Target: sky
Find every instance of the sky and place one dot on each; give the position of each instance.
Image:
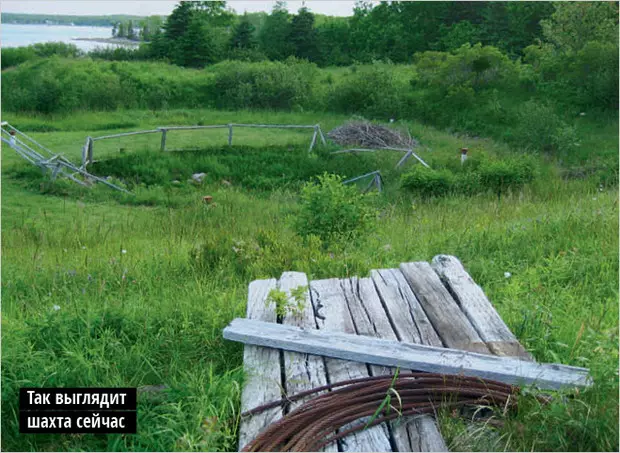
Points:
(163, 7)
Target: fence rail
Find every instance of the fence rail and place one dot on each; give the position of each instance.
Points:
(88, 150)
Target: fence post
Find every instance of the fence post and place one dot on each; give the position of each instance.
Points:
(321, 134)
(313, 140)
(230, 134)
(163, 139)
(91, 144)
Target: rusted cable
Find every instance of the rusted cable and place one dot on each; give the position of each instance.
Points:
(349, 406)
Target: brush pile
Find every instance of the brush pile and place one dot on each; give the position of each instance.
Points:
(361, 403)
(366, 134)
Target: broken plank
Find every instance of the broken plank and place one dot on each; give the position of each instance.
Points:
(370, 319)
(333, 318)
(261, 366)
(477, 307)
(447, 318)
(334, 343)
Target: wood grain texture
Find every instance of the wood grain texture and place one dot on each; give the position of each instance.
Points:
(477, 307)
(333, 318)
(370, 319)
(447, 318)
(406, 315)
(262, 367)
(358, 348)
(301, 371)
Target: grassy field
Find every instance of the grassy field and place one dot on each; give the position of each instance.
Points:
(101, 289)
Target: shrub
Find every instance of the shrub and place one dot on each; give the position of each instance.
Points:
(14, 56)
(372, 91)
(272, 85)
(428, 182)
(331, 210)
(500, 175)
(539, 128)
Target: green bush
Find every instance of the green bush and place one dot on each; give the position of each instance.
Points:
(539, 128)
(13, 56)
(501, 175)
(64, 85)
(373, 91)
(428, 182)
(271, 85)
(476, 176)
(331, 210)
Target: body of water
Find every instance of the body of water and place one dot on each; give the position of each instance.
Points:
(16, 35)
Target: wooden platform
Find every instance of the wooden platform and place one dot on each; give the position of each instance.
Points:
(434, 304)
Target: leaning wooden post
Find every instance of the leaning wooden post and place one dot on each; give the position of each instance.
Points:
(91, 144)
(313, 140)
(163, 139)
(230, 134)
(321, 134)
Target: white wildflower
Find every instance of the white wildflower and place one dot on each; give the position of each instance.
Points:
(123, 251)
(56, 307)
(507, 274)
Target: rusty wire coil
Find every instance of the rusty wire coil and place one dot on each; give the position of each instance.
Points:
(335, 414)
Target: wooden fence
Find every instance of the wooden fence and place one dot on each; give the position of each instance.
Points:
(88, 149)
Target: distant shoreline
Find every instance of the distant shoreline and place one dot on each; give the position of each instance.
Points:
(119, 41)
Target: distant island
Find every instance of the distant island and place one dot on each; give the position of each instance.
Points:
(119, 41)
(50, 19)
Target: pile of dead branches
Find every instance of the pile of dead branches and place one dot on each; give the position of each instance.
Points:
(366, 134)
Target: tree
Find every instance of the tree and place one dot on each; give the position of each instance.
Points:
(243, 35)
(114, 30)
(274, 36)
(303, 35)
(198, 46)
(131, 32)
(121, 33)
(573, 24)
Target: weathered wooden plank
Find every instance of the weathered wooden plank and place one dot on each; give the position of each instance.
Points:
(162, 145)
(370, 319)
(333, 318)
(403, 309)
(302, 371)
(262, 368)
(477, 307)
(447, 318)
(334, 343)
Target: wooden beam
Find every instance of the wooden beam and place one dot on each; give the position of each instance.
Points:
(333, 317)
(449, 321)
(405, 355)
(262, 368)
(477, 307)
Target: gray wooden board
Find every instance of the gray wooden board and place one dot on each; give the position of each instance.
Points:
(447, 318)
(370, 319)
(331, 342)
(262, 368)
(302, 371)
(333, 319)
(478, 308)
(406, 315)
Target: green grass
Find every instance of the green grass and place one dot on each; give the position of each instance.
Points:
(145, 288)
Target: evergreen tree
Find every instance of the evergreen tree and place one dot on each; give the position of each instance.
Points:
(114, 30)
(131, 33)
(121, 31)
(243, 35)
(303, 35)
(274, 36)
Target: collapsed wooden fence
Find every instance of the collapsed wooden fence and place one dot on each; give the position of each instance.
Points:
(88, 149)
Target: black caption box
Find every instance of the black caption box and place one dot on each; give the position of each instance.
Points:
(53, 399)
(78, 422)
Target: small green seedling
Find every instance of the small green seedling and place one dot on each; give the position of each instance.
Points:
(283, 305)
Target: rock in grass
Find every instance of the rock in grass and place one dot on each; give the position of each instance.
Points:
(198, 177)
